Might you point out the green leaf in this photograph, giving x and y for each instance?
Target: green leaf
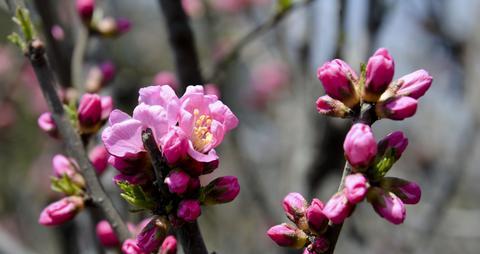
(65, 185)
(17, 41)
(283, 5)
(71, 111)
(383, 164)
(22, 18)
(135, 196)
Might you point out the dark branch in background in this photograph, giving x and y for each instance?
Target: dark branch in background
(182, 43)
(36, 55)
(222, 65)
(58, 51)
(186, 60)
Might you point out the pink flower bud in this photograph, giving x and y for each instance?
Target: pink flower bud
(212, 89)
(189, 210)
(194, 8)
(360, 146)
(177, 181)
(137, 179)
(288, 236)
(57, 32)
(63, 166)
(61, 211)
(295, 206)
(319, 245)
(152, 235)
(409, 192)
(126, 165)
(326, 105)
(108, 70)
(85, 9)
(47, 124)
(174, 145)
(415, 84)
(317, 221)
(166, 78)
(355, 188)
(89, 110)
(396, 141)
(106, 235)
(130, 246)
(380, 70)
(387, 205)
(169, 245)
(99, 158)
(337, 208)
(222, 190)
(107, 106)
(111, 27)
(397, 108)
(338, 79)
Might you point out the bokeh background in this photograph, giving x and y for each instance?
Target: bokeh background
(282, 144)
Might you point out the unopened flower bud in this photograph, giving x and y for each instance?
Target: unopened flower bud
(106, 235)
(319, 245)
(61, 211)
(396, 142)
(338, 80)
(396, 108)
(222, 190)
(169, 245)
(189, 210)
(337, 209)
(288, 236)
(85, 9)
(387, 205)
(174, 144)
(295, 206)
(152, 235)
(415, 84)
(111, 27)
(360, 146)
(380, 70)
(177, 181)
(355, 188)
(100, 76)
(166, 78)
(63, 166)
(47, 124)
(139, 178)
(99, 158)
(326, 105)
(408, 192)
(126, 165)
(317, 221)
(89, 112)
(130, 246)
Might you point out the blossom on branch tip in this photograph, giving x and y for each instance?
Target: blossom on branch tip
(295, 206)
(387, 205)
(338, 80)
(360, 146)
(61, 211)
(379, 74)
(415, 84)
(396, 108)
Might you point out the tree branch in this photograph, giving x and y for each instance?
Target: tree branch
(251, 36)
(36, 55)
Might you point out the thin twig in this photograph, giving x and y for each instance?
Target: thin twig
(38, 59)
(222, 65)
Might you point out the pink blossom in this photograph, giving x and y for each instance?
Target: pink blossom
(360, 146)
(167, 78)
(107, 106)
(57, 32)
(108, 71)
(47, 124)
(85, 8)
(189, 210)
(337, 209)
(295, 206)
(355, 188)
(212, 89)
(130, 246)
(177, 181)
(205, 120)
(63, 166)
(287, 236)
(388, 206)
(222, 190)
(396, 141)
(319, 245)
(169, 245)
(174, 144)
(61, 211)
(317, 221)
(397, 108)
(99, 158)
(338, 80)
(415, 84)
(326, 105)
(409, 192)
(152, 236)
(106, 235)
(126, 165)
(112, 27)
(380, 70)
(89, 110)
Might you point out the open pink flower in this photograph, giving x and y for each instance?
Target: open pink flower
(205, 120)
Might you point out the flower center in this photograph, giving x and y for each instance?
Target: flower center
(201, 136)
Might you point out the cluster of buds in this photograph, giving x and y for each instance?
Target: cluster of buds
(186, 131)
(346, 91)
(365, 98)
(103, 26)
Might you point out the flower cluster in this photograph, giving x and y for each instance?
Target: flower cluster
(186, 130)
(103, 26)
(367, 97)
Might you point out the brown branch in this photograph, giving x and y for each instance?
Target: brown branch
(274, 20)
(36, 55)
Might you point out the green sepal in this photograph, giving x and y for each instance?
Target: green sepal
(65, 185)
(71, 111)
(135, 196)
(382, 165)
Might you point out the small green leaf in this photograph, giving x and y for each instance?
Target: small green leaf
(283, 5)
(17, 40)
(23, 20)
(71, 111)
(65, 185)
(135, 196)
(383, 164)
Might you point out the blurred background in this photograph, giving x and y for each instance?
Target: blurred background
(282, 144)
